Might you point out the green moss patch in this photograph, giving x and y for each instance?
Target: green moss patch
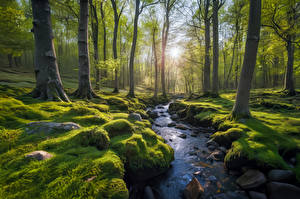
(227, 137)
(95, 137)
(118, 127)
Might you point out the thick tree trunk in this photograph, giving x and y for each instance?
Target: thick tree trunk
(241, 106)
(163, 52)
(215, 79)
(95, 30)
(288, 78)
(206, 82)
(104, 36)
(48, 82)
(84, 88)
(115, 37)
(10, 60)
(133, 46)
(155, 63)
(275, 73)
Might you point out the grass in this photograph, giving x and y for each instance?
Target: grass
(268, 138)
(89, 162)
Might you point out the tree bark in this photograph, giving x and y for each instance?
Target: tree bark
(84, 88)
(48, 82)
(104, 36)
(215, 79)
(155, 63)
(206, 82)
(288, 78)
(133, 46)
(241, 106)
(10, 60)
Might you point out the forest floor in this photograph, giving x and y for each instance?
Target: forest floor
(270, 138)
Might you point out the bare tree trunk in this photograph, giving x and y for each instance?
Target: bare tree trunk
(241, 106)
(104, 36)
(215, 79)
(288, 78)
(48, 82)
(84, 88)
(133, 46)
(10, 60)
(206, 82)
(95, 30)
(155, 63)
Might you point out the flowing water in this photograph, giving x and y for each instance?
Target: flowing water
(190, 161)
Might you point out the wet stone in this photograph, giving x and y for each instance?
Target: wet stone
(193, 190)
(183, 136)
(211, 147)
(281, 175)
(135, 116)
(278, 190)
(251, 179)
(172, 124)
(180, 126)
(217, 155)
(232, 195)
(257, 195)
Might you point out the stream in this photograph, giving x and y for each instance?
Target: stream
(191, 160)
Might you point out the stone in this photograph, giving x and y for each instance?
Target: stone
(163, 115)
(47, 127)
(193, 190)
(257, 195)
(211, 142)
(174, 117)
(194, 135)
(160, 107)
(251, 179)
(281, 175)
(217, 155)
(148, 193)
(172, 124)
(278, 190)
(183, 136)
(223, 149)
(135, 116)
(211, 147)
(39, 155)
(152, 114)
(181, 126)
(232, 195)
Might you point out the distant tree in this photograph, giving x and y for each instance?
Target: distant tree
(48, 82)
(241, 105)
(84, 88)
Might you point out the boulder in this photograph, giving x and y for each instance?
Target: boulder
(148, 193)
(211, 147)
(152, 114)
(172, 124)
(193, 190)
(232, 195)
(183, 136)
(211, 142)
(281, 175)
(135, 116)
(251, 179)
(174, 117)
(257, 195)
(47, 127)
(39, 155)
(278, 190)
(181, 126)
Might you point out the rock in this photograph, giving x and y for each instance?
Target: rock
(257, 195)
(163, 115)
(217, 155)
(223, 149)
(194, 135)
(135, 116)
(251, 179)
(160, 107)
(193, 190)
(211, 147)
(148, 193)
(47, 127)
(211, 142)
(232, 195)
(281, 175)
(170, 140)
(172, 124)
(181, 126)
(152, 114)
(39, 155)
(183, 136)
(278, 190)
(174, 117)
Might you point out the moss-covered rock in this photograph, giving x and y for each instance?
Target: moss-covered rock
(227, 137)
(117, 103)
(118, 127)
(95, 137)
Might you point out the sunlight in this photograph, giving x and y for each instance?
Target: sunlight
(175, 52)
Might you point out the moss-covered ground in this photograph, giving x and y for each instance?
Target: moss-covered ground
(89, 162)
(270, 138)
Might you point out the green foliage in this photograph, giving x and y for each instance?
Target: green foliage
(118, 127)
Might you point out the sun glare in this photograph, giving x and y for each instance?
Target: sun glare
(175, 52)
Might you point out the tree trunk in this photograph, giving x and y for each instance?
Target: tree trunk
(206, 82)
(241, 106)
(275, 74)
(133, 46)
(215, 79)
(288, 78)
(165, 32)
(95, 30)
(155, 63)
(115, 54)
(104, 37)
(48, 82)
(84, 88)
(10, 60)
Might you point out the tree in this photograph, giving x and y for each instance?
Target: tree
(102, 12)
(138, 10)
(84, 87)
(48, 82)
(116, 25)
(168, 6)
(282, 17)
(215, 80)
(154, 50)
(241, 105)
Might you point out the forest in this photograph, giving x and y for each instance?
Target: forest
(150, 99)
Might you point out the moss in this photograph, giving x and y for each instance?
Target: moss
(91, 119)
(118, 127)
(227, 137)
(95, 137)
(117, 103)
